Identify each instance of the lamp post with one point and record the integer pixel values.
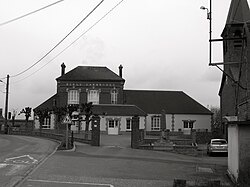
(209, 17)
(6, 105)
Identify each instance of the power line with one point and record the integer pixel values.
(72, 42)
(25, 15)
(60, 40)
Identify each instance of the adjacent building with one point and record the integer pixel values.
(234, 91)
(116, 106)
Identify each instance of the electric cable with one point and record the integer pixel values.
(72, 42)
(25, 15)
(60, 40)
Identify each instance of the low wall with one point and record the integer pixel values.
(55, 135)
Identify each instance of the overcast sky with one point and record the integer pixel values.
(162, 45)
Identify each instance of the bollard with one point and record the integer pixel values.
(179, 183)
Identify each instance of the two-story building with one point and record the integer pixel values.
(116, 106)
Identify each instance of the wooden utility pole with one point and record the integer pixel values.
(6, 106)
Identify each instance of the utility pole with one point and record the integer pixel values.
(6, 127)
(210, 32)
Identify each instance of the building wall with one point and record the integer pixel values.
(233, 151)
(233, 96)
(174, 122)
(228, 99)
(103, 87)
(244, 152)
(103, 123)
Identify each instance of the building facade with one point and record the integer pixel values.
(234, 91)
(116, 106)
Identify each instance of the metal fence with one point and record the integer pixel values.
(56, 134)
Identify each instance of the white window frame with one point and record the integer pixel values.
(93, 96)
(114, 96)
(113, 123)
(46, 123)
(156, 123)
(188, 124)
(73, 97)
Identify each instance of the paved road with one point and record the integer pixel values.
(19, 155)
(117, 166)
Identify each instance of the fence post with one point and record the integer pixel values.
(72, 138)
(135, 133)
(95, 138)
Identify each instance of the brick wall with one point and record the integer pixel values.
(104, 94)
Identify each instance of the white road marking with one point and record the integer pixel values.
(19, 160)
(67, 182)
(3, 165)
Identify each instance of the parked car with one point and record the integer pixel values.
(217, 146)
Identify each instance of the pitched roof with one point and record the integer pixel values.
(173, 102)
(48, 104)
(238, 12)
(90, 73)
(118, 110)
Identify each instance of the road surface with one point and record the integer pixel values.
(115, 166)
(19, 155)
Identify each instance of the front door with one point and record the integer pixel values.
(113, 127)
(188, 125)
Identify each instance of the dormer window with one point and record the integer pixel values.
(73, 97)
(114, 97)
(93, 96)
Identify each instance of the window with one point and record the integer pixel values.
(114, 95)
(128, 124)
(93, 96)
(113, 123)
(46, 123)
(185, 124)
(191, 124)
(155, 123)
(73, 97)
(188, 124)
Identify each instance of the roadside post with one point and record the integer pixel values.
(95, 138)
(67, 120)
(135, 133)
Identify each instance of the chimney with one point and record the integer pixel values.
(120, 71)
(63, 69)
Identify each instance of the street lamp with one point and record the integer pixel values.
(209, 17)
(6, 105)
(208, 13)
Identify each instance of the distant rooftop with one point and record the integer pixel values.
(173, 102)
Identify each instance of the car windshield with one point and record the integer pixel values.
(219, 142)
